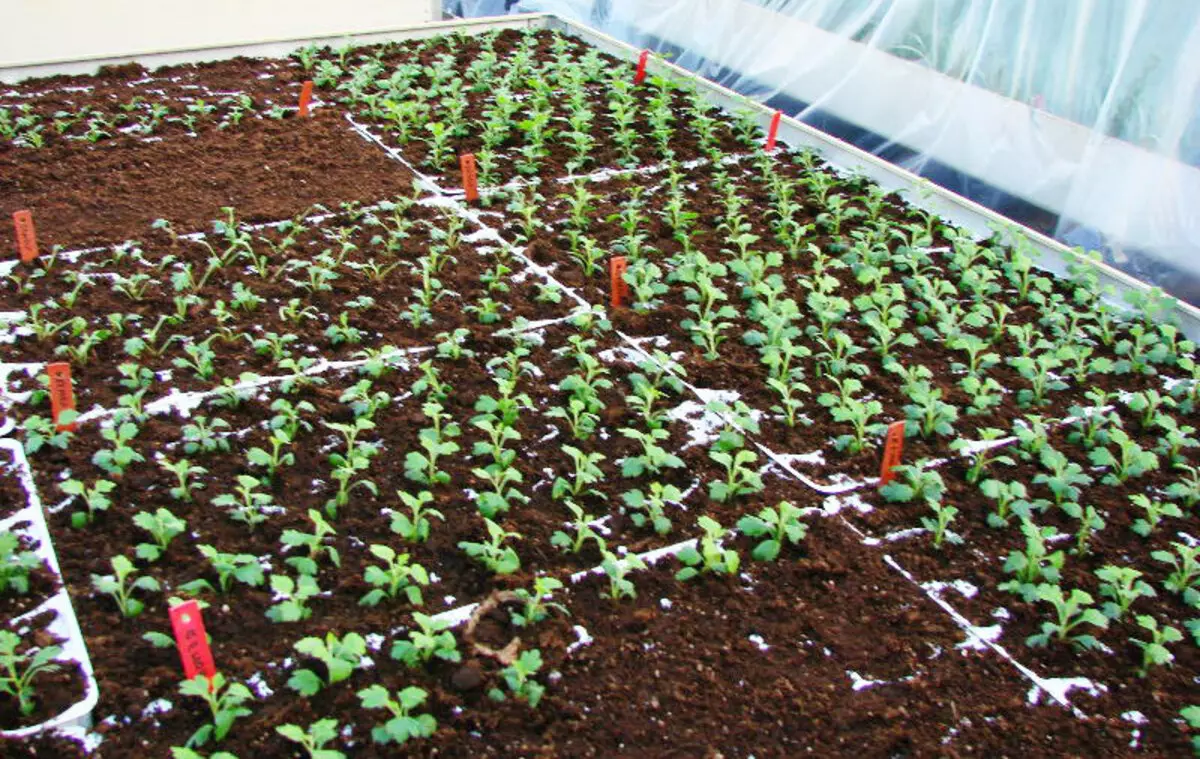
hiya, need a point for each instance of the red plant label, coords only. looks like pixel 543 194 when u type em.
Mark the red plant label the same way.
pixel 470 179
pixel 616 273
pixel 191 640
pixel 305 97
pixel 26 236
pixel 640 76
pixel 893 449
pixel 773 132
pixel 62 394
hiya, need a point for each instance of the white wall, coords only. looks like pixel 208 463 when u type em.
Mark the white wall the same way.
pixel 42 31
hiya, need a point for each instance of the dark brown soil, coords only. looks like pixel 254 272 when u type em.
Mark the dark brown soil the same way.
pixel 268 171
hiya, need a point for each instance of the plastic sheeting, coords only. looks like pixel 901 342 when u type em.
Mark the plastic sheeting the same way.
pixel 1080 118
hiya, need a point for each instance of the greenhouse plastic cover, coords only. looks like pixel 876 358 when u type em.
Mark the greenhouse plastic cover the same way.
pixel 1079 118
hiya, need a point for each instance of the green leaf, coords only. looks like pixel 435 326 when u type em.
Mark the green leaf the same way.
pixel 305 682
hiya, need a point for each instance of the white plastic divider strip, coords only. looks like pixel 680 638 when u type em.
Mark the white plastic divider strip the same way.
pixel 1056 691
pixel 65 625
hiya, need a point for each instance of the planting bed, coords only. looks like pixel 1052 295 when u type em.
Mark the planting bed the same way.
pixel 367 423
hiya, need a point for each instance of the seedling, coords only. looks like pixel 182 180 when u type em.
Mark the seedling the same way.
pixel 163 527
pixel 433 640
pixel 277 457
pixel 618 569
pixel 19 670
pixel 394 576
pixel 202 436
pixel 229 567
pixel 95 498
pixel 494 554
pixel 780 525
pixel 1035 565
pixel 1130 460
pixel 1154 512
pixel 1185 569
pixel 291 597
pixel 415 525
pixel 121 585
pixel 116 459
pixel 184 472
pixel 581 525
pixel 653 504
pixel 226 703
pixel 313 740
pixel 518 676
pixel 653 458
pixel 403 725
pixel 15 565
pixel 913 482
pixel 939 524
pixel 1154 650
pixel 248 506
pixel 537 603
pixel 741 478
pixel 586 473
pixel 341 656
pixel 708 555
pixel 1071 611
pixel 313 543
pixel 1123 586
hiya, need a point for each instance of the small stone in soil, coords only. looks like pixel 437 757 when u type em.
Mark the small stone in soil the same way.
pixel 467 677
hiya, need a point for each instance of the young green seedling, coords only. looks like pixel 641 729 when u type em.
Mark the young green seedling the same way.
pixel 1071 611
pixel 1155 651
pixel 163 527
pixel 394 576
pixel 341 656
pixel 19 670
pixel 518 676
pixel 291 597
pixel 226 703
pixel 581 525
pixel 122 584
pixel 95 498
pixel 403 725
pixel 499 558
pixel 1123 586
pixel 312 543
pixel 708 555
pixel 314 739
pixel 432 640
pixel 649 508
pixel 618 570
pixel 779 525
pixel 415 525
pixel 537 603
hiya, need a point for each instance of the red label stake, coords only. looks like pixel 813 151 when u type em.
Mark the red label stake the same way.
pixel 893 448
pixel 616 273
pixel 773 132
pixel 305 97
pixel 191 640
pixel 640 76
pixel 62 394
pixel 470 179
pixel 26 235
